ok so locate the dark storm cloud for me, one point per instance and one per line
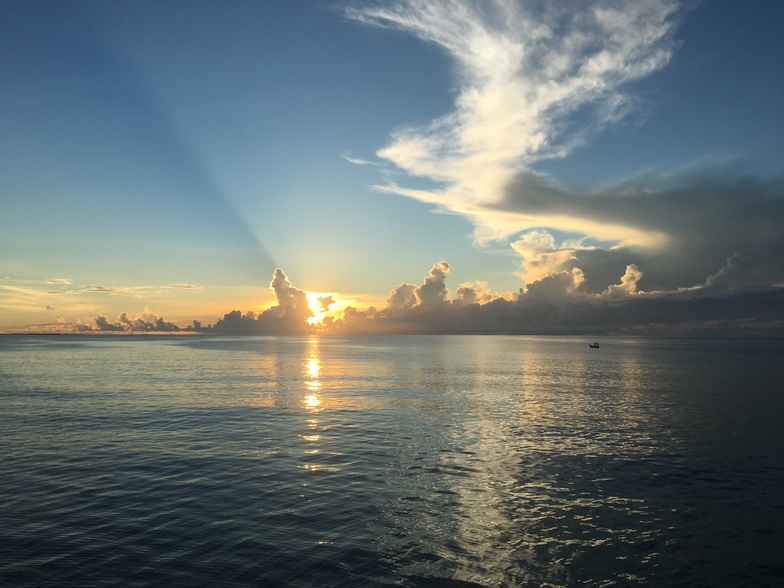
(680, 231)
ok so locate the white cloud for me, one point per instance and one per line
(557, 303)
(433, 289)
(628, 283)
(470, 293)
(523, 70)
(541, 256)
(356, 160)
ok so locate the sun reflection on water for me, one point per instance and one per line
(312, 369)
(312, 401)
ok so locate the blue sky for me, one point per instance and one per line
(164, 158)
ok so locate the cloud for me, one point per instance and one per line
(289, 316)
(325, 302)
(293, 304)
(59, 281)
(553, 288)
(531, 78)
(628, 283)
(146, 322)
(558, 303)
(402, 297)
(541, 256)
(102, 323)
(357, 161)
(535, 80)
(184, 287)
(108, 289)
(433, 289)
(681, 228)
(470, 293)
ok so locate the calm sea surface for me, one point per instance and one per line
(378, 461)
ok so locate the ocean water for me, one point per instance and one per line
(390, 461)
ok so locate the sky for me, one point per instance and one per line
(592, 167)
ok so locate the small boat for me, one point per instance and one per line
(594, 345)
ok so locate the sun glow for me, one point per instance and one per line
(327, 305)
(316, 307)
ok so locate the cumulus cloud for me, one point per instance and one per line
(556, 303)
(146, 322)
(289, 316)
(554, 287)
(470, 293)
(541, 257)
(325, 302)
(292, 302)
(402, 297)
(433, 289)
(628, 283)
(701, 221)
(559, 304)
(59, 281)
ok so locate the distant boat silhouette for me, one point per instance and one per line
(594, 345)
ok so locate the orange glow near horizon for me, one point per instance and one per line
(316, 308)
(335, 310)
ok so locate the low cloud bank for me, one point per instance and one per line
(557, 303)
(146, 322)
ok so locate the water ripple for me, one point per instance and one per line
(414, 462)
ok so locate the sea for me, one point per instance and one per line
(447, 461)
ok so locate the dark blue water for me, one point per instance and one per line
(374, 461)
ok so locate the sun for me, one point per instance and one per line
(316, 308)
(338, 304)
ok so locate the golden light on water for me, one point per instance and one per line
(312, 369)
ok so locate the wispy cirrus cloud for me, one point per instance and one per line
(356, 160)
(523, 69)
(109, 289)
